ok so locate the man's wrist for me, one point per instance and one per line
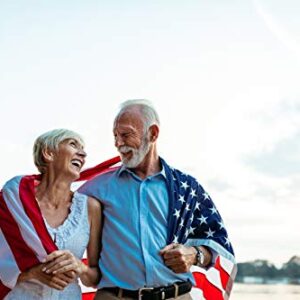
(199, 257)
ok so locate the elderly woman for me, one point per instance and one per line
(59, 225)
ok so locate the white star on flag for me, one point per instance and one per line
(213, 210)
(181, 223)
(186, 234)
(205, 195)
(202, 220)
(209, 233)
(187, 207)
(177, 213)
(175, 240)
(181, 199)
(193, 193)
(184, 184)
(191, 231)
(221, 224)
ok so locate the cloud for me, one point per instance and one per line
(283, 160)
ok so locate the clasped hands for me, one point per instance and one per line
(59, 269)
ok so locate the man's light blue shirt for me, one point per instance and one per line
(136, 215)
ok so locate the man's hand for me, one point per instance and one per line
(178, 258)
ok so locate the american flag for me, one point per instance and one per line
(195, 220)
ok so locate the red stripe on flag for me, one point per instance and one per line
(104, 166)
(88, 296)
(223, 274)
(210, 292)
(33, 212)
(24, 256)
(4, 290)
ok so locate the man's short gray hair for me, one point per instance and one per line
(149, 113)
(50, 140)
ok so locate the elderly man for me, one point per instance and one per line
(158, 221)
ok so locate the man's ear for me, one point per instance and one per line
(154, 132)
(48, 155)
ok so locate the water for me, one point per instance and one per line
(265, 292)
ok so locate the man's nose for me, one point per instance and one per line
(118, 141)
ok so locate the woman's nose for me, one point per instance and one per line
(82, 153)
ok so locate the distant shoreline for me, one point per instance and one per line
(266, 281)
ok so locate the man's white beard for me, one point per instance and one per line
(138, 155)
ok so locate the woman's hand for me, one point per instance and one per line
(58, 281)
(62, 261)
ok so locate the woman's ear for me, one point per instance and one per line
(154, 132)
(48, 155)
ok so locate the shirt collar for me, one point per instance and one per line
(124, 169)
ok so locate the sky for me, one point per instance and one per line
(223, 75)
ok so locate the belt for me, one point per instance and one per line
(150, 293)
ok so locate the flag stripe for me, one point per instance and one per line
(3, 290)
(210, 291)
(11, 194)
(24, 256)
(223, 274)
(88, 296)
(33, 212)
(99, 169)
(8, 267)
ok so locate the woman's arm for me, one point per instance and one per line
(91, 274)
(61, 261)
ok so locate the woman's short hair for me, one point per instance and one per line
(50, 140)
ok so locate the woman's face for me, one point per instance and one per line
(69, 158)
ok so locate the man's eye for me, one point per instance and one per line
(73, 144)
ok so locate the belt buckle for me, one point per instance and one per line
(163, 294)
(140, 294)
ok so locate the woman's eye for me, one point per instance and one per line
(73, 144)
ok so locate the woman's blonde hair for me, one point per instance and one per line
(50, 140)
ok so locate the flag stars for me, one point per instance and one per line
(187, 207)
(181, 223)
(210, 233)
(175, 239)
(221, 224)
(213, 210)
(193, 193)
(191, 230)
(197, 206)
(202, 220)
(205, 195)
(186, 234)
(177, 213)
(184, 184)
(227, 242)
(192, 218)
(181, 199)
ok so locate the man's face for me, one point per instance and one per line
(130, 140)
